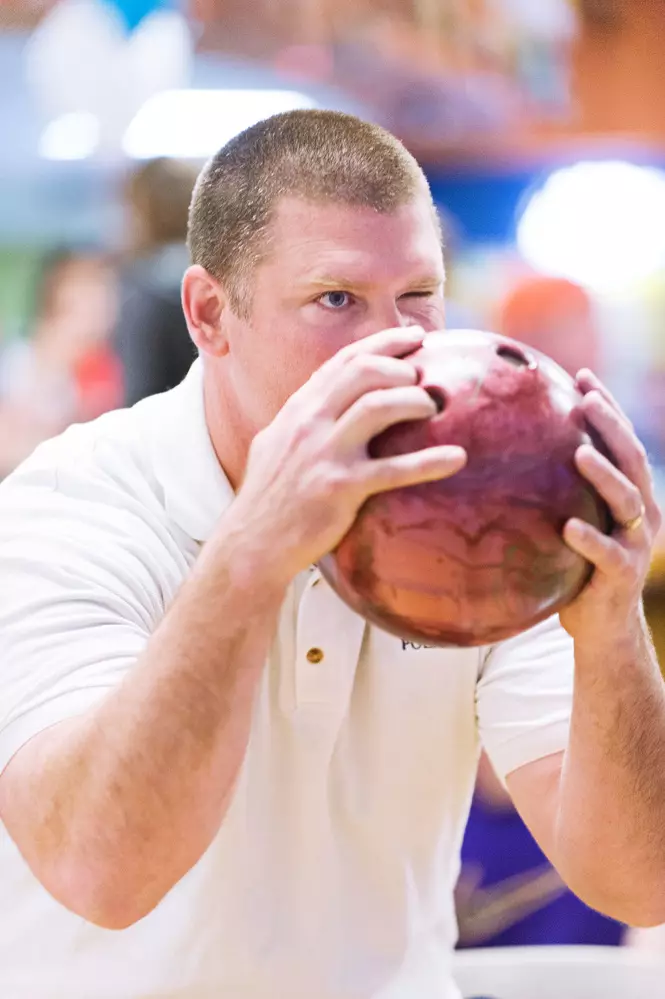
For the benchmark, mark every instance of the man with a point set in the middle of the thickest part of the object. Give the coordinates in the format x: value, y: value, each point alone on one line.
x: 202, y: 748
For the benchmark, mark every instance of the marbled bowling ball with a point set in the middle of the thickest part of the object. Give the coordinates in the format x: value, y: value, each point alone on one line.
x: 479, y: 557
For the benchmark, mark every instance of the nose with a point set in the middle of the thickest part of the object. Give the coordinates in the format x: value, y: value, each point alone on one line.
x: 386, y: 316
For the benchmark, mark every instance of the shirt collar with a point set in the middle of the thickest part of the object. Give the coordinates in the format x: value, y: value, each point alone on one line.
x: 196, y: 490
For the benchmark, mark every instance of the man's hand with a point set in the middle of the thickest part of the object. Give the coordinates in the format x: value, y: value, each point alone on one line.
x: 613, y: 598
x: 598, y: 809
x: 309, y: 472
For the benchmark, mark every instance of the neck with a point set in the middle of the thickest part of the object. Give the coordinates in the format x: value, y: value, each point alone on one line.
x: 228, y: 429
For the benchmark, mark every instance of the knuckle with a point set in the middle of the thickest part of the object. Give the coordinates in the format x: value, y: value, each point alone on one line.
x: 629, y: 572
x: 351, y: 353
x: 374, y: 404
x: 640, y: 455
x: 635, y: 496
x: 618, y: 560
x: 301, y: 429
x: 301, y: 434
x: 333, y: 364
x: 328, y: 479
x: 385, y: 477
x: 365, y: 364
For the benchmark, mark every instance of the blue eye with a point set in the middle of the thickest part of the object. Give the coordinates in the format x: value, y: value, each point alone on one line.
x: 336, y: 300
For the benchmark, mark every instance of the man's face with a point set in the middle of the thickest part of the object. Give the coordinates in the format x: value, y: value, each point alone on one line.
x: 334, y: 274
x: 82, y: 307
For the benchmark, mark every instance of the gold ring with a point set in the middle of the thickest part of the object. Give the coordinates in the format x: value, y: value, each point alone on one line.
x: 634, y: 522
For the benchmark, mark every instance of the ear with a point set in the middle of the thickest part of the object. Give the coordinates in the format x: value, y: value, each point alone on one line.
x: 204, y: 303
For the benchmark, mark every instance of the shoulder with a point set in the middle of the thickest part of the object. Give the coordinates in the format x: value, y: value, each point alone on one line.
x: 92, y: 496
x: 108, y: 457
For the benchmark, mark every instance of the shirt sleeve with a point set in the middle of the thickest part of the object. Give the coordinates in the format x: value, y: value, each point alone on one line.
x: 78, y: 603
x: 524, y: 696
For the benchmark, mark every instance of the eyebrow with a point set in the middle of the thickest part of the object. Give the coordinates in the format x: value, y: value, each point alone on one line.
x: 331, y: 283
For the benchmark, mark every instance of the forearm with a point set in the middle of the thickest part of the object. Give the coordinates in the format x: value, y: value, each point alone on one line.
x: 113, y: 809
x: 610, y: 826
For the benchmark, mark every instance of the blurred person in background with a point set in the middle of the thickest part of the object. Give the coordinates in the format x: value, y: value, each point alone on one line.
x: 64, y: 371
x: 555, y: 316
x: 508, y: 893
x: 151, y: 338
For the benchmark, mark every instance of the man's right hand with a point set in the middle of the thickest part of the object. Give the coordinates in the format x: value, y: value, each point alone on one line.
x: 106, y: 813
x: 309, y: 472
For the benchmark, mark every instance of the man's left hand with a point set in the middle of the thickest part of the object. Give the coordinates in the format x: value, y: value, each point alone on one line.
x: 611, y: 603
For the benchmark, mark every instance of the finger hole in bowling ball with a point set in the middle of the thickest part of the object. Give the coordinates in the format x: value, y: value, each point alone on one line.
x: 438, y: 398
x: 515, y: 357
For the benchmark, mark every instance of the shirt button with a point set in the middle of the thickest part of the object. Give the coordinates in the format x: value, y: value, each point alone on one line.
x: 314, y: 655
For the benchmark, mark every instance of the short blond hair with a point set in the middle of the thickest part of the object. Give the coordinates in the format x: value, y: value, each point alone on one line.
x: 320, y: 156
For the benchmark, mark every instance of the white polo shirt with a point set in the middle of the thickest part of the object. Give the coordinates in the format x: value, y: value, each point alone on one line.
x: 332, y: 874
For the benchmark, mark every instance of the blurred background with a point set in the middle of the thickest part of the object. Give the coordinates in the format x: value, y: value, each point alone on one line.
x: 541, y: 127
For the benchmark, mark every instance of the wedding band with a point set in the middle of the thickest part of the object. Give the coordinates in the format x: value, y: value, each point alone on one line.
x: 635, y: 522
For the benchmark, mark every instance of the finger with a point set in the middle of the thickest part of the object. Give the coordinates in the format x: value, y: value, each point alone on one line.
x: 374, y: 412
x: 393, y: 343
x: 621, y: 495
x: 430, y: 465
x: 587, y: 382
x: 340, y: 388
x: 628, y: 451
x: 603, y: 552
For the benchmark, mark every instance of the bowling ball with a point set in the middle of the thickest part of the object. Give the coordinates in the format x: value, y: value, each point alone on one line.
x: 479, y: 557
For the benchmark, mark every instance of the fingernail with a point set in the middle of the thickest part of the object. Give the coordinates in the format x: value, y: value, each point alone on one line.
x: 451, y: 452
x: 576, y: 525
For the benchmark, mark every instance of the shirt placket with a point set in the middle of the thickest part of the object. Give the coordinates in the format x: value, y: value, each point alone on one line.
x: 328, y: 646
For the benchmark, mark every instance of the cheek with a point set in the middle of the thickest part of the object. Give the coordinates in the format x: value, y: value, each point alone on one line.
x: 269, y: 372
x: 428, y: 313
x: 295, y: 364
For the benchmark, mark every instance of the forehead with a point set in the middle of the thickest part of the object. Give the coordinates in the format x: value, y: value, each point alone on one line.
x: 356, y: 242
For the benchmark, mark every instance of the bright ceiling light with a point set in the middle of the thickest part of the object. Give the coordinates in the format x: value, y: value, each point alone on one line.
x: 72, y: 136
x: 601, y: 224
x: 193, y: 124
